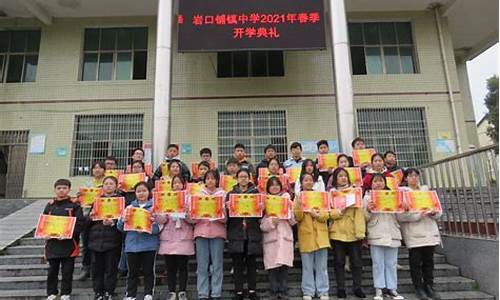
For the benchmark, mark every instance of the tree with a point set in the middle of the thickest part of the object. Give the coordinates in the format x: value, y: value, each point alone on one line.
x: 491, y: 102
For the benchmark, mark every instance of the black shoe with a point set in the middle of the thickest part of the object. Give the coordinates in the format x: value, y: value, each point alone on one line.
x: 431, y: 293
x: 253, y: 296
x: 84, y: 275
x: 122, y: 273
x: 238, y: 297
x: 359, y: 293
x: 341, y: 293
x: 420, y: 293
x: 98, y: 297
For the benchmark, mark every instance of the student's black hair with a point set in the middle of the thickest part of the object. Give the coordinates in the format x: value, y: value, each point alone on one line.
x: 99, y: 163
x: 62, y: 181
x: 377, y: 175
x: 182, y: 179
x: 335, y: 175
x: 322, y: 142
x: 204, y: 163
x: 411, y: 170
x: 111, y: 158
x: 173, y: 146
x: 315, y: 173
x: 138, y: 148
x: 296, y: 145
x: 270, y: 146
x: 232, y: 160
x: 206, y: 150
x: 213, y: 173
x: 344, y: 155
x: 239, y: 145
x: 358, y: 139
x: 389, y: 152
x: 137, y: 162
x: 112, y: 178
x: 375, y: 155
x: 272, y: 180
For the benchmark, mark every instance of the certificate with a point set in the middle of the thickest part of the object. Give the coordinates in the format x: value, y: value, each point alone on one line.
x: 194, y: 188
x: 108, y: 208
x: 293, y: 173
x: 169, y: 202
x: 207, y: 207
x: 277, y: 206
x: 113, y: 173
x: 355, y: 176
x: 327, y: 161
x: 127, y: 182
x: 314, y: 200
x: 138, y: 219
x: 264, y: 172
x: 392, y: 183
x: 228, y: 182
x: 423, y: 201
x: 362, y: 156
x: 163, y: 184
x: 398, y: 175
x: 387, y: 201
x: 245, y: 206
x: 347, y: 198
x: 55, y: 227
x: 88, y: 195
x: 164, y: 169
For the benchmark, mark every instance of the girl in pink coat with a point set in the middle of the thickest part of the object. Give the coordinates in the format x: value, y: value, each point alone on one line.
x: 278, y: 244
x: 176, y: 243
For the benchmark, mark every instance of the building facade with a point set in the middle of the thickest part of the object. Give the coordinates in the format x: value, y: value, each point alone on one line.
x: 78, y: 84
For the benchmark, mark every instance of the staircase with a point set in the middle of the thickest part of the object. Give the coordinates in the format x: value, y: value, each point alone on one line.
x: 23, y: 273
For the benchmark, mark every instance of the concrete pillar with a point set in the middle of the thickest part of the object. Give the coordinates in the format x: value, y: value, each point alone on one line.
x: 343, y: 74
x: 468, y: 105
x: 163, y: 81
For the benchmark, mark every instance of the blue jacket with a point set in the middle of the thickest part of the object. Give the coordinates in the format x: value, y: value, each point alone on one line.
x: 141, y: 241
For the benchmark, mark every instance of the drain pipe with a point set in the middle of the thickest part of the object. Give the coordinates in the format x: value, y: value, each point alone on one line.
x: 437, y: 17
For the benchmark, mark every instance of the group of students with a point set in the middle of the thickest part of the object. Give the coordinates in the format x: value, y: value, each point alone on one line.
x: 178, y: 238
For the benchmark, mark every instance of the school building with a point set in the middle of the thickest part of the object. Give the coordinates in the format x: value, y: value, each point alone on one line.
x: 83, y: 79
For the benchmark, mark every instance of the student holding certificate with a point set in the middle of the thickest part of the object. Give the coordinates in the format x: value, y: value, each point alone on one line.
x: 313, y: 245
x: 309, y: 167
x: 176, y: 244
x: 105, y: 241
x: 209, y: 238
x: 141, y: 247
x: 61, y: 253
x: 377, y: 167
x: 244, y: 241
x: 203, y: 167
x: 346, y: 233
x: 421, y: 235
x: 342, y: 162
x: 278, y: 243
x: 384, y: 238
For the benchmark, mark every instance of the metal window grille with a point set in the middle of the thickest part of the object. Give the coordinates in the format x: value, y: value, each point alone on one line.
x: 255, y: 130
x: 98, y: 136
x: 402, y: 130
x: 13, y: 150
x: 19, y: 55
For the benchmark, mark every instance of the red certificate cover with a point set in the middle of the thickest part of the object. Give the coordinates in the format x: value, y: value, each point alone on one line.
x: 245, y: 205
x: 314, y: 200
x: 207, y: 207
x: 55, y: 227
x: 347, y: 198
x: 108, y: 208
x: 387, y: 201
x: 169, y: 202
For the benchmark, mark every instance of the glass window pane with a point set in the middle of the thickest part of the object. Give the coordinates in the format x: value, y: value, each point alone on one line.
x: 223, y: 64
x: 388, y: 33
x: 105, y: 66
x: 89, y: 67
x: 124, y: 39
x: 123, y: 66
x: 18, y: 41
x: 275, y: 63
x: 91, y: 40
x: 2, y: 64
x: 259, y: 63
x: 4, y: 41
x: 30, y: 66
x: 108, y: 37
x: 373, y: 61
x: 391, y: 58
x: 140, y: 65
x: 371, y: 33
x: 33, y: 40
x: 407, y: 61
x: 240, y: 64
x: 358, y: 60
x: 15, y: 68
x: 141, y: 38
x: 404, y: 32
x: 356, y: 33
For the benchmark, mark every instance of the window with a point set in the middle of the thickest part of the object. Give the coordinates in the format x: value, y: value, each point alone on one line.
x: 382, y: 48
x: 403, y: 130
x: 97, y: 136
x: 115, y: 54
x: 250, y: 64
x: 19, y: 55
x: 255, y: 130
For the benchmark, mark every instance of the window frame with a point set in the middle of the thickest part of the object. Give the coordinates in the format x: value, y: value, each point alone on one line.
x: 249, y: 64
x: 6, y: 56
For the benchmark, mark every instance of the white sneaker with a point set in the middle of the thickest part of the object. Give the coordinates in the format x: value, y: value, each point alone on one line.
x: 52, y: 297
x: 129, y: 298
x: 307, y: 297
x: 148, y: 297
x: 65, y: 297
x: 324, y: 297
x: 182, y: 296
x: 378, y: 295
x: 171, y: 296
x: 394, y: 295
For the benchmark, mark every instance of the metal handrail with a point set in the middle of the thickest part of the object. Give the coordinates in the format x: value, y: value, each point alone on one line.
x: 464, y: 154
